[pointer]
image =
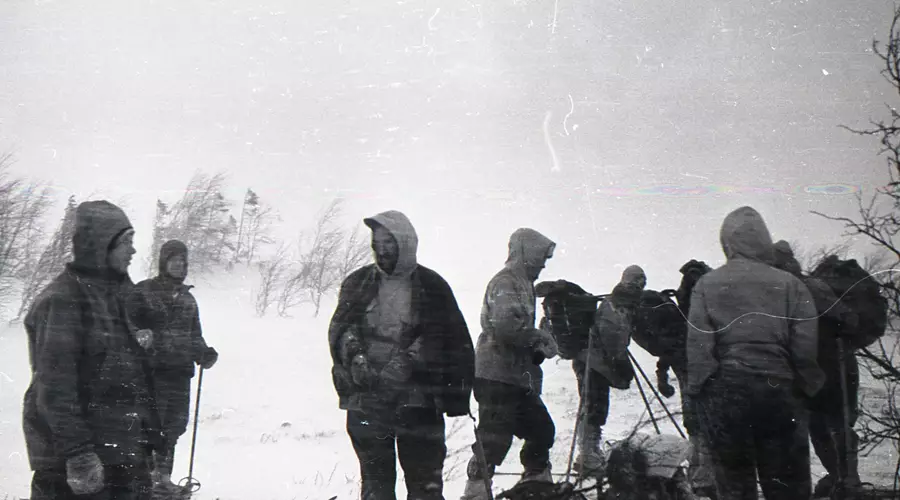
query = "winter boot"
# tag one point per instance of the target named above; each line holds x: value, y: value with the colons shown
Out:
x: 541, y: 475
x: 161, y: 477
x: 476, y: 486
x: 164, y: 488
x: 590, y: 460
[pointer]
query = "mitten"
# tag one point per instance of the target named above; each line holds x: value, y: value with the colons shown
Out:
x: 361, y: 372
x: 546, y: 345
x: 209, y: 358
x: 350, y: 347
x: 84, y: 473
x: 144, y: 337
x: 662, y: 382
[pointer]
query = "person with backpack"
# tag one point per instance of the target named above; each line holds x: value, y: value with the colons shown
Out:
x: 508, y: 375
x: 661, y: 330
x: 402, y: 359
x: 88, y: 416
x: 751, y: 349
x: 606, y: 365
x: 165, y: 305
x: 840, y: 334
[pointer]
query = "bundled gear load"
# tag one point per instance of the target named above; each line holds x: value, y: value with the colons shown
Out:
x: 568, y: 314
x: 861, y: 293
x: 659, y: 324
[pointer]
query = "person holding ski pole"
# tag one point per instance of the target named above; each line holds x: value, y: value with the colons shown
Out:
x: 165, y: 305
x: 751, y: 351
x: 508, y: 375
x: 402, y: 359
x: 87, y: 414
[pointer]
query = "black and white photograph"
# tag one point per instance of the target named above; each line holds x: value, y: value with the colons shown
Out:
x: 464, y: 250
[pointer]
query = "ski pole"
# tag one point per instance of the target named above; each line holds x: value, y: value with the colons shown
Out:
x: 656, y: 393
x: 190, y: 478
x: 647, y: 404
x: 482, y: 460
x: 579, y: 417
x: 845, y: 470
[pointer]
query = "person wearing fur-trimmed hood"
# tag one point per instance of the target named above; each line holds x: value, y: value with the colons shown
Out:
x: 165, y: 305
x: 402, y: 359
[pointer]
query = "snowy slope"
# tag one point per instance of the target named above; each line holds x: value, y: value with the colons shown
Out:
x: 269, y: 423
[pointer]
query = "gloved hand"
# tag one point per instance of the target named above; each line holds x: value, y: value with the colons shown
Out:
x: 144, y: 337
x: 545, y: 345
x: 350, y: 346
x: 84, y: 473
x: 209, y: 358
x: 361, y: 372
x: 662, y: 382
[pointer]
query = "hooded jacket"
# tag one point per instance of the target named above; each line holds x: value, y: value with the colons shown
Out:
x: 613, y: 328
x: 89, y: 388
x: 408, y: 317
x: 508, y: 342
x: 165, y: 305
x: 749, y: 317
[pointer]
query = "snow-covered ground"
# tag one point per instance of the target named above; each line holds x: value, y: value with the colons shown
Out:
x: 269, y: 423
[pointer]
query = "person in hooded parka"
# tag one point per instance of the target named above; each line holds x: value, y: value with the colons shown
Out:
x: 508, y: 375
x: 751, y: 351
x: 165, y: 305
x: 88, y: 413
x: 402, y: 360
x: 610, y: 366
x: 826, y: 419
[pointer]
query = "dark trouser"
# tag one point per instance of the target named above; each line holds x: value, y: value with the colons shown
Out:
x: 826, y: 422
x: 173, y: 401
x: 418, y: 434
x: 596, y: 401
x: 700, y: 472
x: 506, y: 411
x: 122, y: 483
x: 754, y: 424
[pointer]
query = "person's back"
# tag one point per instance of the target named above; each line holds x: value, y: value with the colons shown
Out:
x: 762, y: 319
x: 752, y: 343
x: 750, y: 312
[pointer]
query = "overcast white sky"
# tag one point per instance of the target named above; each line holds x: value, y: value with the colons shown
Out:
x: 438, y: 109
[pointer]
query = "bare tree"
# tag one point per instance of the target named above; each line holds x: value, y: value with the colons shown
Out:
x: 51, y: 261
x: 810, y: 258
x: 201, y: 220
x: 271, y: 273
x: 22, y: 207
x: 320, y: 260
x: 356, y: 251
x: 326, y: 255
x: 254, y: 228
x: 878, y: 221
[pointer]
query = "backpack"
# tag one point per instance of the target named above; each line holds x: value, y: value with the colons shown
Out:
x: 659, y: 326
x: 568, y: 314
x: 861, y: 293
